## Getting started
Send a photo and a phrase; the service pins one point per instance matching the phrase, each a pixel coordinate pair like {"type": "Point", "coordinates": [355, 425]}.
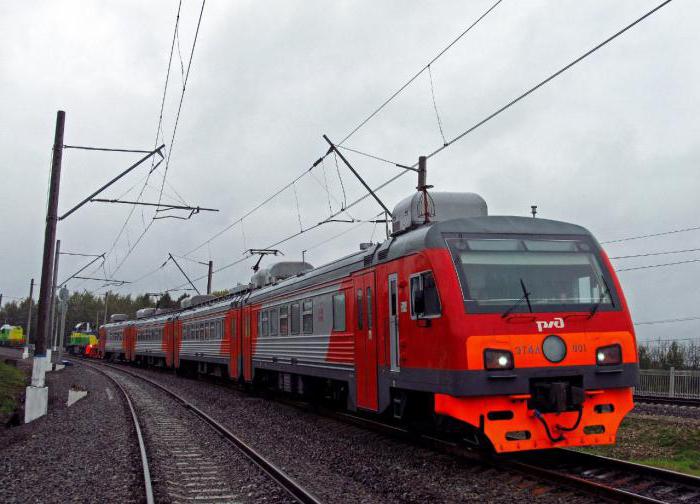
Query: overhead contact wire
{"type": "Point", "coordinates": [417, 74]}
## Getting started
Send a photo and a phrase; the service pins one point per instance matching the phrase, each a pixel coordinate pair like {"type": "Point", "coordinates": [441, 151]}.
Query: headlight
{"type": "Point", "coordinates": [554, 348]}
{"type": "Point", "coordinates": [608, 355]}
{"type": "Point", "coordinates": [498, 359]}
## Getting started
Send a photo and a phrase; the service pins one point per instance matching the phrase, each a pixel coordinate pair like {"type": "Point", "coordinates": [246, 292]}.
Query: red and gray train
{"type": "Point", "coordinates": [513, 330]}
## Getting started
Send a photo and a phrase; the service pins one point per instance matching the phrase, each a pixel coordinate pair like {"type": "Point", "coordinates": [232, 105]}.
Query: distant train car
{"type": "Point", "coordinates": [12, 336]}
{"type": "Point", "coordinates": [81, 337]}
{"type": "Point", "coordinates": [115, 338]}
{"type": "Point", "coordinates": [511, 331]}
{"type": "Point", "coordinates": [152, 332]}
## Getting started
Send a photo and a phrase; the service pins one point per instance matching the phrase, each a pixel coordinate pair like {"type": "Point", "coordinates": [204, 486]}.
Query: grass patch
{"type": "Point", "coordinates": [12, 382]}
{"type": "Point", "coordinates": [657, 442]}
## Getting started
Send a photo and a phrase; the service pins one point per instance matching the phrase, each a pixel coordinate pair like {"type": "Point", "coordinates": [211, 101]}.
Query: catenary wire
{"type": "Point", "coordinates": [488, 118]}
{"type": "Point", "coordinates": [182, 97]}
{"type": "Point", "coordinates": [356, 128]}
{"type": "Point", "coordinates": [663, 233]}
{"type": "Point", "coordinates": [158, 132]}
{"type": "Point", "coordinates": [667, 321]}
{"type": "Point", "coordinates": [417, 74]}
{"type": "Point", "coordinates": [133, 246]}
{"type": "Point", "coordinates": [550, 78]}
{"type": "Point", "coordinates": [656, 253]}
{"type": "Point", "coordinates": [658, 265]}
{"type": "Point", "coordinates": [514, 101]}
{"type": "Point", "coordinates": [437, 114]}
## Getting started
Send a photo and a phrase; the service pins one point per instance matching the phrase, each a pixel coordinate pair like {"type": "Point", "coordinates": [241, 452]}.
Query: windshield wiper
{"type": "Point", "coordinates": [525, 296]}
{"type": "Point", "coordinates": [607, 292]}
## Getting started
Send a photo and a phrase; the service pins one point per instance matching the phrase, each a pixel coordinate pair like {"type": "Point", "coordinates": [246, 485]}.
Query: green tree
{"type": "Point", "coordinates": [675, 357]}
{"type": "Point", "coordinates": [644, 358]}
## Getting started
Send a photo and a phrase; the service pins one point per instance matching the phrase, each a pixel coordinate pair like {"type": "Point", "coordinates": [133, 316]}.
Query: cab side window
{"type": "Point", "coordinates": [425, 300]}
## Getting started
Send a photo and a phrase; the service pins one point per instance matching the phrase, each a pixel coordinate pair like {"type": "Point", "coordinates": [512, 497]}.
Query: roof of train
{"type": "Point", "coordinates": [400, 245]}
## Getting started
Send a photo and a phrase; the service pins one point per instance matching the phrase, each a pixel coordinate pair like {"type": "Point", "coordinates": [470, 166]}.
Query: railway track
{"type": "Point", "coordinates": [147, 483]}
{"type": "Point", "coordinates": [606, 477]}
{"type": "Point", "coordinates": [675, 401]}
{"type": "Point", "coordinates": [187, 468]}
{"type": "Point", "coordinates": [601, 477]}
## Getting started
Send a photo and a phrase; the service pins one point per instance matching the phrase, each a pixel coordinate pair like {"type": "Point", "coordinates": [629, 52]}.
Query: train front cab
{"type": "Point", "coordinates": [524, 337]}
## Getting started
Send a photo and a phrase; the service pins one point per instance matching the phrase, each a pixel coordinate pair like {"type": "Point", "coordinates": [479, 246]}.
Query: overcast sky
{"type": "Point", "coordinates": [611, 145]}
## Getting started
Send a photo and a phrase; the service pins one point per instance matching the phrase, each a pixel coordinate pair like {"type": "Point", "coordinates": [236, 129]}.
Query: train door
{"type": "Point", "coordinates": [166, 343]}
{"type": "Point", "coordinates": [177, 339]}
{"type": "Point", "coordinates": [234, 328]}
{"type": "Point", "coordinates": [393, 290]}
{"type": "Point", "coordinates": [365, 341]}
{"type": "Point", "coordinates": [247, 344]}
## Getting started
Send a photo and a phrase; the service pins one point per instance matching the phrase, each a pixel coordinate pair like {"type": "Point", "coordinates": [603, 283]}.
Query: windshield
{"type": "Point", "coordinates": [557, 274]}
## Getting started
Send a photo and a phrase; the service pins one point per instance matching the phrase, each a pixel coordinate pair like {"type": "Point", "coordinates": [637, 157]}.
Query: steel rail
{"type": "Point", "coordinates": [675, 401]}
{"type": "Point", "coordinates": [529, 468]}
{"type": "Point", "coordinates": [507, 462]}
{"type": "Point", "coordinates": [142, 445]}
{"type": "Point", "coordinates": [564, 456]}
{"type": "Point", "coordinates": [294, 489]}
{"type": "Point", "coordinates": [583, 484]}
{"type": "Point", "coordinates": [538, 467]}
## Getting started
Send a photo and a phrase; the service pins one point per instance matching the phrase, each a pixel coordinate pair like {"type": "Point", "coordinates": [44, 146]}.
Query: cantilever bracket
{"type": "Point", "coordinates": [347, 163]}
{"type": "Point", "coordinates": [129, 169]}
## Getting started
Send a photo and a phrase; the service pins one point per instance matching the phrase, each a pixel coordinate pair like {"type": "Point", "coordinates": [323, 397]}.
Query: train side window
{"type": "Point", "coordinates": [233, 329]}
{"type": "Point", "coordinates": [274, 320]}
{"type": "Point", "coordinates": [284, 320]}
{"type": "Point", "coordinates": [308, 316]}
{"type": "Point", "coordinates": [369, 308]}
{"type": "Point", "coordinates": [295, 318]}
{"type": "Point", "coordinates": [425, 300]}
{"type": "Point", "coordinates": [339, 312]}
{"type": "Point", "coordinates": [265, 323]}
{"type": "Point", "coordinates": [359, 309]}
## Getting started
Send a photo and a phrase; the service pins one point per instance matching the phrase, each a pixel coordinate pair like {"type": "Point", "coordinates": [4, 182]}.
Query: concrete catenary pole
{"type": "Point", "coordinates": [53, 332]}
{"type": "Point", "coordinates": [25, 354]}
{"type": "Point", "coordinates": [63, 297]}
{"type": "Point", "coordinates": [211, 270]}
{"type": "Point", "coordinates": [44, 315]}
{"type": "Point", "coordinates": [104, 320]}
{"type": "Point", "coordinates": [37, 394]}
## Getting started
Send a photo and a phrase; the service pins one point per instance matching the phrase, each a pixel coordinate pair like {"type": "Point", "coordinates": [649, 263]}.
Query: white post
{"type": "Point", "coordinates": [36, 403]}
{"type": "Point", "coordinates": [672, 382]}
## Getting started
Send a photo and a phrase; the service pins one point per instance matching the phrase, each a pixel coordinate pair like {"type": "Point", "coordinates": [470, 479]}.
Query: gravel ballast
{"type": "Point", "coordinates": [339, 462]}
{"type": "Point", "coordinates": [189, 461]}
{"type": "Point", "coordinates": [85, 453]}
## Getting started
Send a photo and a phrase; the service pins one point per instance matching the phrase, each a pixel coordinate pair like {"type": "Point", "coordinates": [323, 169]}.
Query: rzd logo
{"type": "Point", "coordinates": [557, 323]}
